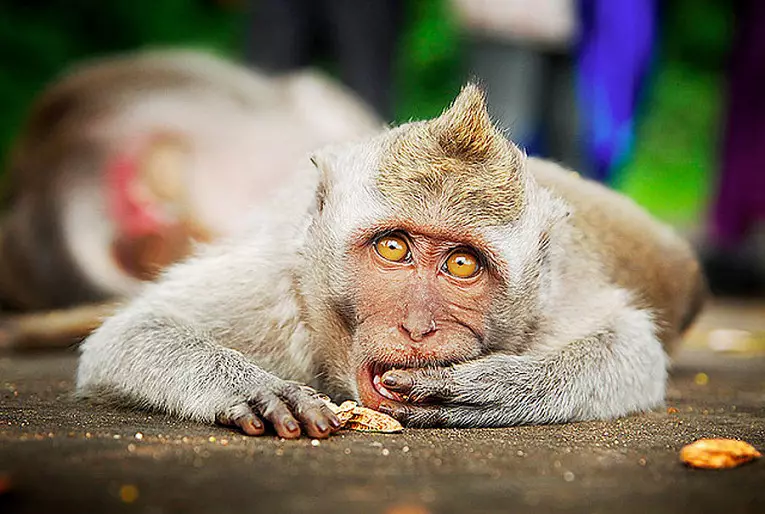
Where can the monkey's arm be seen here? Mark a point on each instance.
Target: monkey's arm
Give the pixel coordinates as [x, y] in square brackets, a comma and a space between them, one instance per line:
[215, 339]
[618, 369]
[166, 361]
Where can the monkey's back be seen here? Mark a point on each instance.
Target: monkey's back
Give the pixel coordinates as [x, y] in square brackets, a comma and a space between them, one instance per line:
[636, 251]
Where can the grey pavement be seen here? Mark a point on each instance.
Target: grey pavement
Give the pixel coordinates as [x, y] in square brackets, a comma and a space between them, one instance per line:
[58, 454]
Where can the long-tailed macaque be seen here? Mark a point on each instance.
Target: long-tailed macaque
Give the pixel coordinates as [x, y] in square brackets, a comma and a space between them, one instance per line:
[432, 272]
[126, 161]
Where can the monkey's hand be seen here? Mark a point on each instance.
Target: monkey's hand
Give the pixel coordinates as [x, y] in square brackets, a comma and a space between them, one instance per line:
[287, 406]
[606, 375]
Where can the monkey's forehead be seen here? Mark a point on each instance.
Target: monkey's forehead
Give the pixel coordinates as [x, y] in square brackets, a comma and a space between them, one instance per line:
[477, 180]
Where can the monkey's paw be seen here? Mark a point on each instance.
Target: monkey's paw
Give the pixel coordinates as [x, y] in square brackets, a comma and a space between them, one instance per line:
[289, 407]
[484, 393]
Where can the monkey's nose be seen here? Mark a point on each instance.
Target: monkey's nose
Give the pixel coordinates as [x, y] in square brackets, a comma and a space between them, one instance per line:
[418, 332]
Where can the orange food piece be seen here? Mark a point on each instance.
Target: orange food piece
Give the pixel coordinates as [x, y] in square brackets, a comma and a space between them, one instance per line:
[718, 453]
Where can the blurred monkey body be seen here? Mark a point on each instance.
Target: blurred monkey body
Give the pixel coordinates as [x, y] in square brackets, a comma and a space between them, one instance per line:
[126, 162]
[433, 272]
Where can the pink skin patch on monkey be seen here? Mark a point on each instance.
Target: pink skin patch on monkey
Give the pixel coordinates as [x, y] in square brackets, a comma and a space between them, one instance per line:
[133, 213]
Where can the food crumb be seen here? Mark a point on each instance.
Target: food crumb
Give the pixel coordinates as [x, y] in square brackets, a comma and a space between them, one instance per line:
[128, 493]
[385, 452]
[718, 453]
[315, 442]
[568, 476]
[139, 436]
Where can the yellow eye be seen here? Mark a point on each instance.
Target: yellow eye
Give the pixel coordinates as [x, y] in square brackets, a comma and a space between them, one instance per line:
[462, 264]
[392, 248]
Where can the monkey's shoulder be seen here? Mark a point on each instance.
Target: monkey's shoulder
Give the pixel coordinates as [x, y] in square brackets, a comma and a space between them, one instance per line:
[635, 250]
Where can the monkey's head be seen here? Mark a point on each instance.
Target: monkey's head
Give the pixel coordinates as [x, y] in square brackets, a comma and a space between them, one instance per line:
[432, 246]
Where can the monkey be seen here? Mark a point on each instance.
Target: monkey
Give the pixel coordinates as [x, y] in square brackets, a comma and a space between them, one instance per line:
[433, 272]
[127, 161]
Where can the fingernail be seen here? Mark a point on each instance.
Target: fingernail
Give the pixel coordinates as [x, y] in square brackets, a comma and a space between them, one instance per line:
[322, 425]
[393, 379]
[291, 425]
[334, 422]
[256, 423]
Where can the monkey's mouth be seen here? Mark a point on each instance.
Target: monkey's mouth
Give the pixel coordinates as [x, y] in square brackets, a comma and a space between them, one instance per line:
[371, 390]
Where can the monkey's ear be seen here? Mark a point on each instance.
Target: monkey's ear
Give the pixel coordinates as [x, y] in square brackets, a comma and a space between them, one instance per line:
[465, 130]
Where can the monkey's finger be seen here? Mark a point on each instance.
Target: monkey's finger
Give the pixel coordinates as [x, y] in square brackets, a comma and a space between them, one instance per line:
[314, 414]
[421, 385]
[242, 416]
[276, 411]
[417, 416]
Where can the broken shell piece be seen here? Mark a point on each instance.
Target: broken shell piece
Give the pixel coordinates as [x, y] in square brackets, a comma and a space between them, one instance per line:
[353, 417]
[718, 453]
[344, 411]
[346, 406]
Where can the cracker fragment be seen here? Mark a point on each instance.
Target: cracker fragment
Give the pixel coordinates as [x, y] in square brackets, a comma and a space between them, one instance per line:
[362, 419]
[718, 453]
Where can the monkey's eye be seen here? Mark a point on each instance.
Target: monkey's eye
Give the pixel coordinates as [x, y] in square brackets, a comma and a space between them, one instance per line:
[392, 247]
[462, 264]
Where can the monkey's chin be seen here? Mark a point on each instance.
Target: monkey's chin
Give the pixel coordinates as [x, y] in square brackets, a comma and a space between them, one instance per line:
[371, 391]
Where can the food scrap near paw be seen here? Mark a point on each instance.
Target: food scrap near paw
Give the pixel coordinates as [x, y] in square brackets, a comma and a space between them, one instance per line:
[718, 453]
[362, 419]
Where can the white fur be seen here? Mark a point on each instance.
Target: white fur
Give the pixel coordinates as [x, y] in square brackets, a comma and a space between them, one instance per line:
[220, 328]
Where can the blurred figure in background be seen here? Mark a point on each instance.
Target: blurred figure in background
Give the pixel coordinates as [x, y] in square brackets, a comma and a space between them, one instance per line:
[564, 76]
[522, 52]
[361, 36]
[736, 264]
[615, 50]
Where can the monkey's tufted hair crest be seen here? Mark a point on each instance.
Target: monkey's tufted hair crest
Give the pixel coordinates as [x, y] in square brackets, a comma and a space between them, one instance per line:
[459, 165]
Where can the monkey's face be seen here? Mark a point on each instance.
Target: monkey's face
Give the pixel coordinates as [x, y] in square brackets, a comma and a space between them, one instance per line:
[432, 247]
[421, 300]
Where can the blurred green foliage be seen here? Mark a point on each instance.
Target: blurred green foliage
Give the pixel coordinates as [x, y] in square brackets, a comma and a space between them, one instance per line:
[675, 152]
[674, 167]
[429, 70]
[39, 38]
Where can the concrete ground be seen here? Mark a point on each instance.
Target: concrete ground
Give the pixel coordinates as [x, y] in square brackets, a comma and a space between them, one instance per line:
[57, 454]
